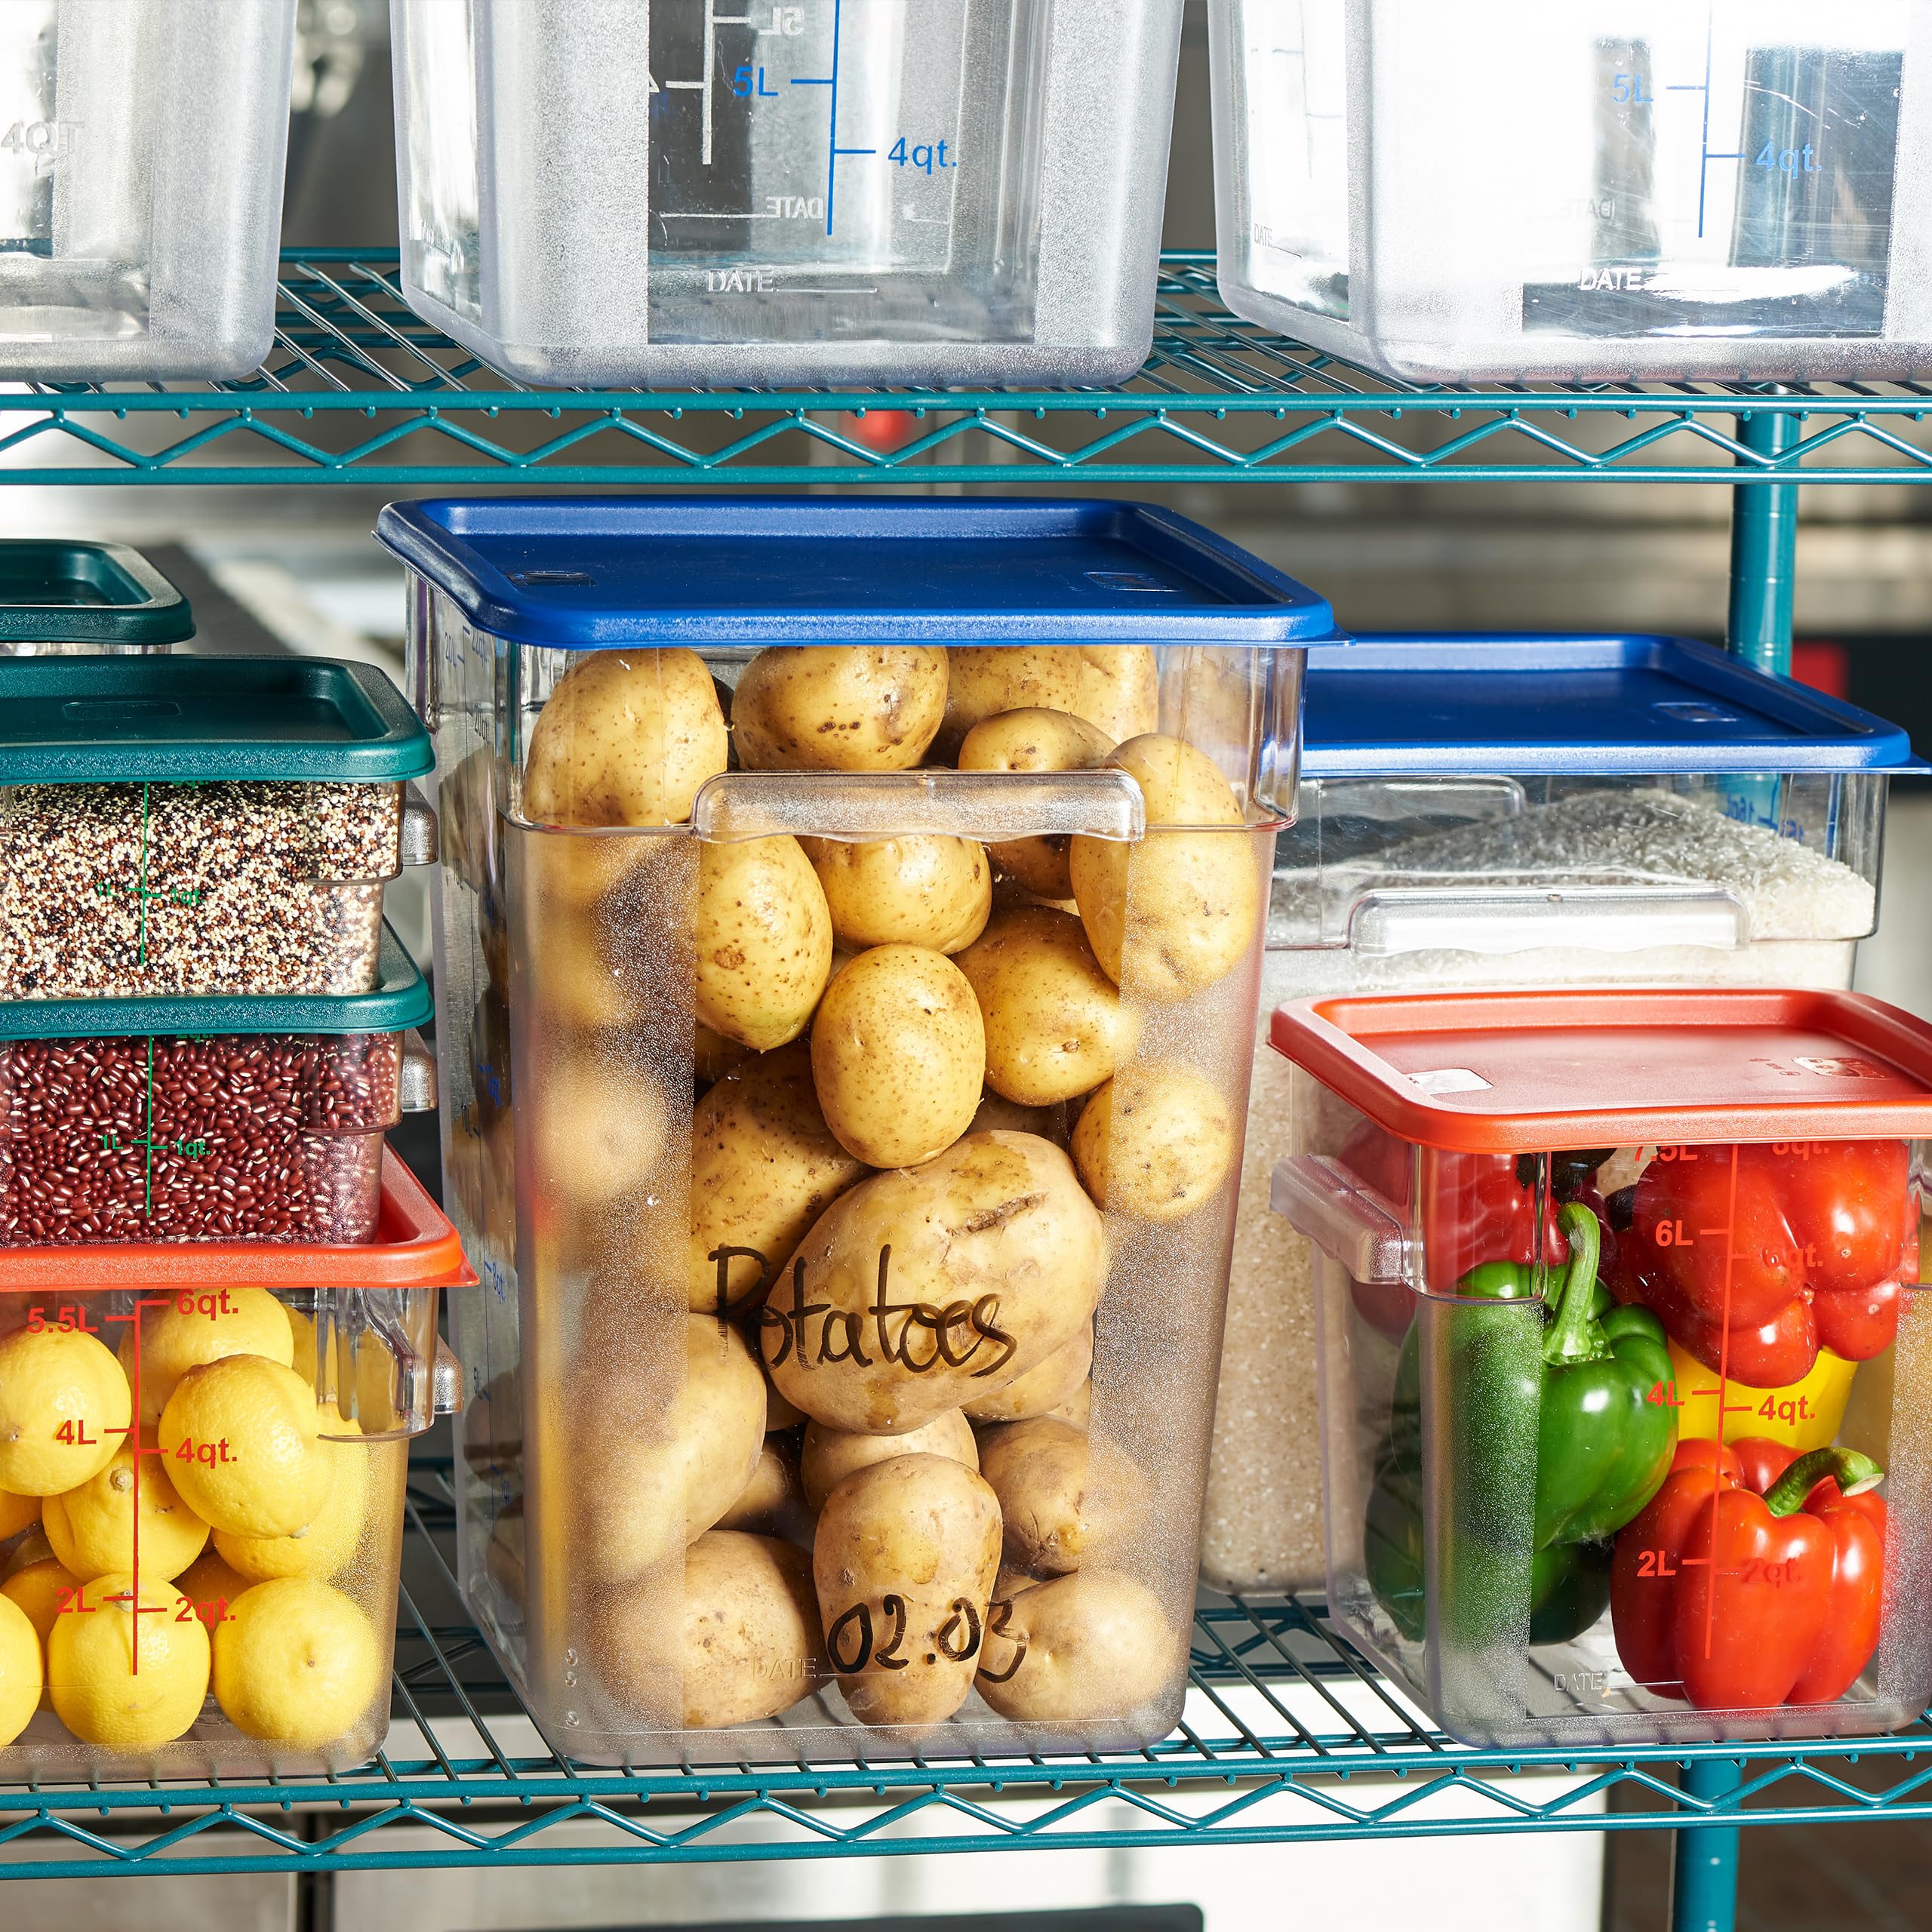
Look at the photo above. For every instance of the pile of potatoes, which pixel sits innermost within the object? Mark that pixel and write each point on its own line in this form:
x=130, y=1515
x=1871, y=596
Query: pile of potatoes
x=922, y=1101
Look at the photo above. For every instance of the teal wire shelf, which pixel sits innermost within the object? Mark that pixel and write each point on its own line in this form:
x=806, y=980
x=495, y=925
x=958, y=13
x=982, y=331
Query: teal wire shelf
x=1289, y=1736
x=358, y=390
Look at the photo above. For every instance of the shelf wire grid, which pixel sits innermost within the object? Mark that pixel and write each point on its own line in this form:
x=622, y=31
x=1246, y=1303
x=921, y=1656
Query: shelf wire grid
x=357, y=389
x=1288, y=1735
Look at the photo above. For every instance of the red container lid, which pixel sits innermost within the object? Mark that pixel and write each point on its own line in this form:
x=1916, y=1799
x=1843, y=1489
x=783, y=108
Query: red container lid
x=1519, y=1073
x=413, y=1246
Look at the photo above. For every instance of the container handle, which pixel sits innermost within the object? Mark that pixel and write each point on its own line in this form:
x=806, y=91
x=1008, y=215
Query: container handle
x=1495, y=919
x=416, y=1079
x=1342, y=1216
x=1413, y=803
x=989, y=806
x=446, y=1390
x=418, y=828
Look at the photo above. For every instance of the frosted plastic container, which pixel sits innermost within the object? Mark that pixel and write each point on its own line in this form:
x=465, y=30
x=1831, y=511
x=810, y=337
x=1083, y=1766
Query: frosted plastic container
x=1520, y=812
x=362, y=1330
x=1570, y=1238
x=141, y=155
x=825, y=191
x=581, y=970
x=206, y=1119
x=201, y=825
x=1623, y=189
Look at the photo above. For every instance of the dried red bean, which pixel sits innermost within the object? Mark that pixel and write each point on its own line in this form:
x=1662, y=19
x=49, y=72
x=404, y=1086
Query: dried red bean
x=275, y=1138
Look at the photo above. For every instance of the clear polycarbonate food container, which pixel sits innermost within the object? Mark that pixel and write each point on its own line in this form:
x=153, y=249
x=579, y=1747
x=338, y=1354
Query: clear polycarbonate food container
x=141, y=159
x=898, y=191
x=953, y=1196
x=1521, y=811
x=1727, y=188
x=1598, y=1271
x=266, y=1579
x=198, y=1119
x=59, y=598
x=201, y=825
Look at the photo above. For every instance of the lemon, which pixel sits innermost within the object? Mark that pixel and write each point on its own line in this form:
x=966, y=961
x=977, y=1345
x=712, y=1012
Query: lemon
x=20, y=1670
x=320, y=1547
x=212, y=1586
x=360, y=1372
x=195, y=1328
x=40, y=1588
x=296, y=1663
x=63, y=1410
x=98, y=1693
x=239, y=1435
x=91, y=1529
x=16, y=1513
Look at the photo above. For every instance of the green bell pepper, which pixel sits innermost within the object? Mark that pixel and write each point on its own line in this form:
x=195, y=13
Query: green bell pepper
x=1603, y=1448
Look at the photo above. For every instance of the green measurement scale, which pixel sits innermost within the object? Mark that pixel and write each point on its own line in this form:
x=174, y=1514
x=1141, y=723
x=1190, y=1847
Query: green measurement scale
x=189, y=1150
x=141, y=891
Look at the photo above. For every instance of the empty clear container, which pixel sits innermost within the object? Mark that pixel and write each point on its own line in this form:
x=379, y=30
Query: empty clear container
x=141, y=157
x=1597, y=1272
x=825, y=191
x=1628, y=188
x=626, y=922
x=265, y=1565
x=1523, y=811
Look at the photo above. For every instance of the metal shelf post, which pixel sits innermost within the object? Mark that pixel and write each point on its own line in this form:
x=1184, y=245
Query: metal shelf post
x=1764, y=548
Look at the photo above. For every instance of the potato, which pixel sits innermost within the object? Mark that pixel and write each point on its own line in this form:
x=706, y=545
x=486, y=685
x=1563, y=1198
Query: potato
x=839, y=707
x=764, y=1166
x=997, y=1259
x=1038, y=1471
x=1049, y=1123
x=772, y=1503
x=779, y=1414
x=713, y=1056
x=1156, y=1142
x=1080, y=1650
x=601, y=1131
x=626, y=738
x=580, y=870
x=578, y=984
x=1035, y=739
x=1078, y=1408
x=651, y=1476
x=919, y=890
x=899, y=1055
x=752, y=1643
x=764, y=941
x=1197, y=895
x=904, y=1560
x=983, y=680
x=466, y=818
x=1120, y=690
x=831, y=1455
x=1053, y=1020
x=1010, y=1581
x=1041, y=1390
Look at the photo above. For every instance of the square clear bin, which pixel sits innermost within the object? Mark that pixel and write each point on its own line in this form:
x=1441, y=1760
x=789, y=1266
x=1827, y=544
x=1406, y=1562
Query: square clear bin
x=878, y=192
x=811, y=1036
x=202, y=825
x=1634, y=188
x=142, y=149
x=62, y=599
x=1521, y=811
x=1602, y=1279
x=265, y=1575
x=207, y=1119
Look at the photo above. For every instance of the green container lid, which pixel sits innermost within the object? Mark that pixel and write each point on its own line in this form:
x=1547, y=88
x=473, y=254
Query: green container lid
x=402, y=1000
x=72, y=720
x=52, y=592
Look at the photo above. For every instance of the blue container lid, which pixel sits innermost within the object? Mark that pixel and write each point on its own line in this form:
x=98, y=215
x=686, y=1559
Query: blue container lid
x=402, y=999
x=589, y=572
x=68, y=720
x=1521, y=705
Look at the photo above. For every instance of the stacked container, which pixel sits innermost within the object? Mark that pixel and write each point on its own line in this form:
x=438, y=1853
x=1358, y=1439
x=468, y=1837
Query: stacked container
x=1592, y=1265
x=141, y=157
x=845, y=1102
x=60, y=599
x=912, y=191
x=1520, y=812
x=217, y=1292
x=1734, y=188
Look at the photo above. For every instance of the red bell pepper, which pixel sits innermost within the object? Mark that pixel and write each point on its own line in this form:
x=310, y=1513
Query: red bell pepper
x=1754, y=1577
x=1755, y=1256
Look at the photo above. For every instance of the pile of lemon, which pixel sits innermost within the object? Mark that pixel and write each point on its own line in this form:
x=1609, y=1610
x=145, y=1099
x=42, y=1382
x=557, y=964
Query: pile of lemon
x=246, y=1510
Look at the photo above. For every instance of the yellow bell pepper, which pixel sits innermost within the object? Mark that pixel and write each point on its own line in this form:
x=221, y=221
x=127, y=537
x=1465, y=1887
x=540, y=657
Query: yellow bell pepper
x=1806, y=1414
